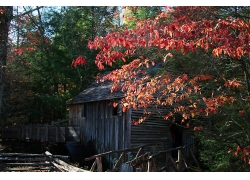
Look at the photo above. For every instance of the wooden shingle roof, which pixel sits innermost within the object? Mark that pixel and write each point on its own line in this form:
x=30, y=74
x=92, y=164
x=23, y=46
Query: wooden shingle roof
x=99, y=91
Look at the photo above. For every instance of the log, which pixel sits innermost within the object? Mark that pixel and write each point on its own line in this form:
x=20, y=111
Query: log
x=67, y=167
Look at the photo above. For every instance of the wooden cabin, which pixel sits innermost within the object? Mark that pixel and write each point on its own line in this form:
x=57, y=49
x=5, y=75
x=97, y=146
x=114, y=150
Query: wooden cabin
x=108, y=128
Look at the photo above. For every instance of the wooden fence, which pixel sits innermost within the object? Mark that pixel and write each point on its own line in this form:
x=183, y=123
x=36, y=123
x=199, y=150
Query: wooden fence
x=55, y=132
x=147, y=161
x=23, y=162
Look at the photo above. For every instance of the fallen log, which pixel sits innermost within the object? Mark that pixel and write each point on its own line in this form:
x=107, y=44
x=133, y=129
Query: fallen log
x=63, y=166
x=67, y=167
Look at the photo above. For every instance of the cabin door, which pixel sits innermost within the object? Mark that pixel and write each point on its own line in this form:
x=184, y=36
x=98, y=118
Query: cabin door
x=176, y=138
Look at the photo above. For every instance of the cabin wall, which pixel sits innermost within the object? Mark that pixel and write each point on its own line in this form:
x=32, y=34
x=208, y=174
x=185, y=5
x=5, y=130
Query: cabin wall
x=103, y=130
x=75, y=110
x=75, y=114
x=151, y=130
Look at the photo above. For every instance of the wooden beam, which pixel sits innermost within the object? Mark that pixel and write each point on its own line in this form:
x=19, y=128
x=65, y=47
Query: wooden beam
x=99, y=163
x=172, y=161
x=119, y=160
x=93, y=166
x=179, y=165
x=67, y=167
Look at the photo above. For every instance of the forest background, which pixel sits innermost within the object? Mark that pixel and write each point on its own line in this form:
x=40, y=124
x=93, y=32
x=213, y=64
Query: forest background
x=53, y=53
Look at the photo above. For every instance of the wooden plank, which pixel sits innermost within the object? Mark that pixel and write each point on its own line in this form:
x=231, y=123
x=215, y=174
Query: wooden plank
x=59, y=167
x=67, y=167
x=25, y=159
x=129, y=124
x=24, y=164
x=28, y=169
x=20, y=155
x=117, y=138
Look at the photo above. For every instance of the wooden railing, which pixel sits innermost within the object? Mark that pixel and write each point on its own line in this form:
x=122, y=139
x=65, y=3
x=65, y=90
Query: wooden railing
x=146, y=161
x=24, y=162
x=59, y=131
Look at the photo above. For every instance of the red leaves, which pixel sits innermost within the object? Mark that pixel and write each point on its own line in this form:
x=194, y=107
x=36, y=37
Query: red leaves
x=1, y=11
x=18, y=51
x=79, y=61
x=170, y=114
x=115, y=104
x=241, y=112
x=232, y=84
x=243, y=152
x=197, y=128
x=187, y=37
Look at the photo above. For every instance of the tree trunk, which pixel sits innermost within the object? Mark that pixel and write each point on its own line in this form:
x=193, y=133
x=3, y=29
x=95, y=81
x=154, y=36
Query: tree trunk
x=6, y=13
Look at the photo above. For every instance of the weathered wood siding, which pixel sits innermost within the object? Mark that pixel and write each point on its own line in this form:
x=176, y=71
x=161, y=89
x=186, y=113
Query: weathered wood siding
x=152, y=130
x=75, y=114
x=104, y=129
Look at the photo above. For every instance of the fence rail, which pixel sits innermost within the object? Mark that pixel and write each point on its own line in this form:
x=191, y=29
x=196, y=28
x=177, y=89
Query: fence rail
x=147, y=161
x=55, y=132
x=23, y=162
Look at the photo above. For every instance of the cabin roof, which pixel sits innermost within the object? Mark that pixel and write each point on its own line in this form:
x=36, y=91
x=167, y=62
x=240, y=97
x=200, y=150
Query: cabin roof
x=99, y=91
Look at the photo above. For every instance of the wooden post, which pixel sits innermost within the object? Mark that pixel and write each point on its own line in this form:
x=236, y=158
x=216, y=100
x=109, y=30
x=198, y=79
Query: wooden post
x=2, y=132
x=30, y=132
x=93, y=166
x=59, y=122
x=56, y=133
x=125, y=156
x=19, y=132
x=179, y=165
x=99, y=163
x=46, y=132
x=23, y=133
x=172, y=161
x=38, y=133
x=149, y=165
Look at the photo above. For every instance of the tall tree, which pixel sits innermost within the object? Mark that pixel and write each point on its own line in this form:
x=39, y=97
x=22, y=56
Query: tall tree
x=6, y=13
x=47, y=40
x=219, y=85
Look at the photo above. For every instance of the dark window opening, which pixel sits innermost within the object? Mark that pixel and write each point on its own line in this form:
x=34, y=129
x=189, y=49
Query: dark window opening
x=115, y=111
x=176, y=136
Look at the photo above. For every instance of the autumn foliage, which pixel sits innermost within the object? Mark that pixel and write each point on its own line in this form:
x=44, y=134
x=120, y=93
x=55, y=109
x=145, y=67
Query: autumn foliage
x=176, y=30
x=224, y=37
x=79, y=61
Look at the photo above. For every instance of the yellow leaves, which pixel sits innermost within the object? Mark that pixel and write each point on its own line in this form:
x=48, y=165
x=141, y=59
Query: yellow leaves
x=192, y=114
